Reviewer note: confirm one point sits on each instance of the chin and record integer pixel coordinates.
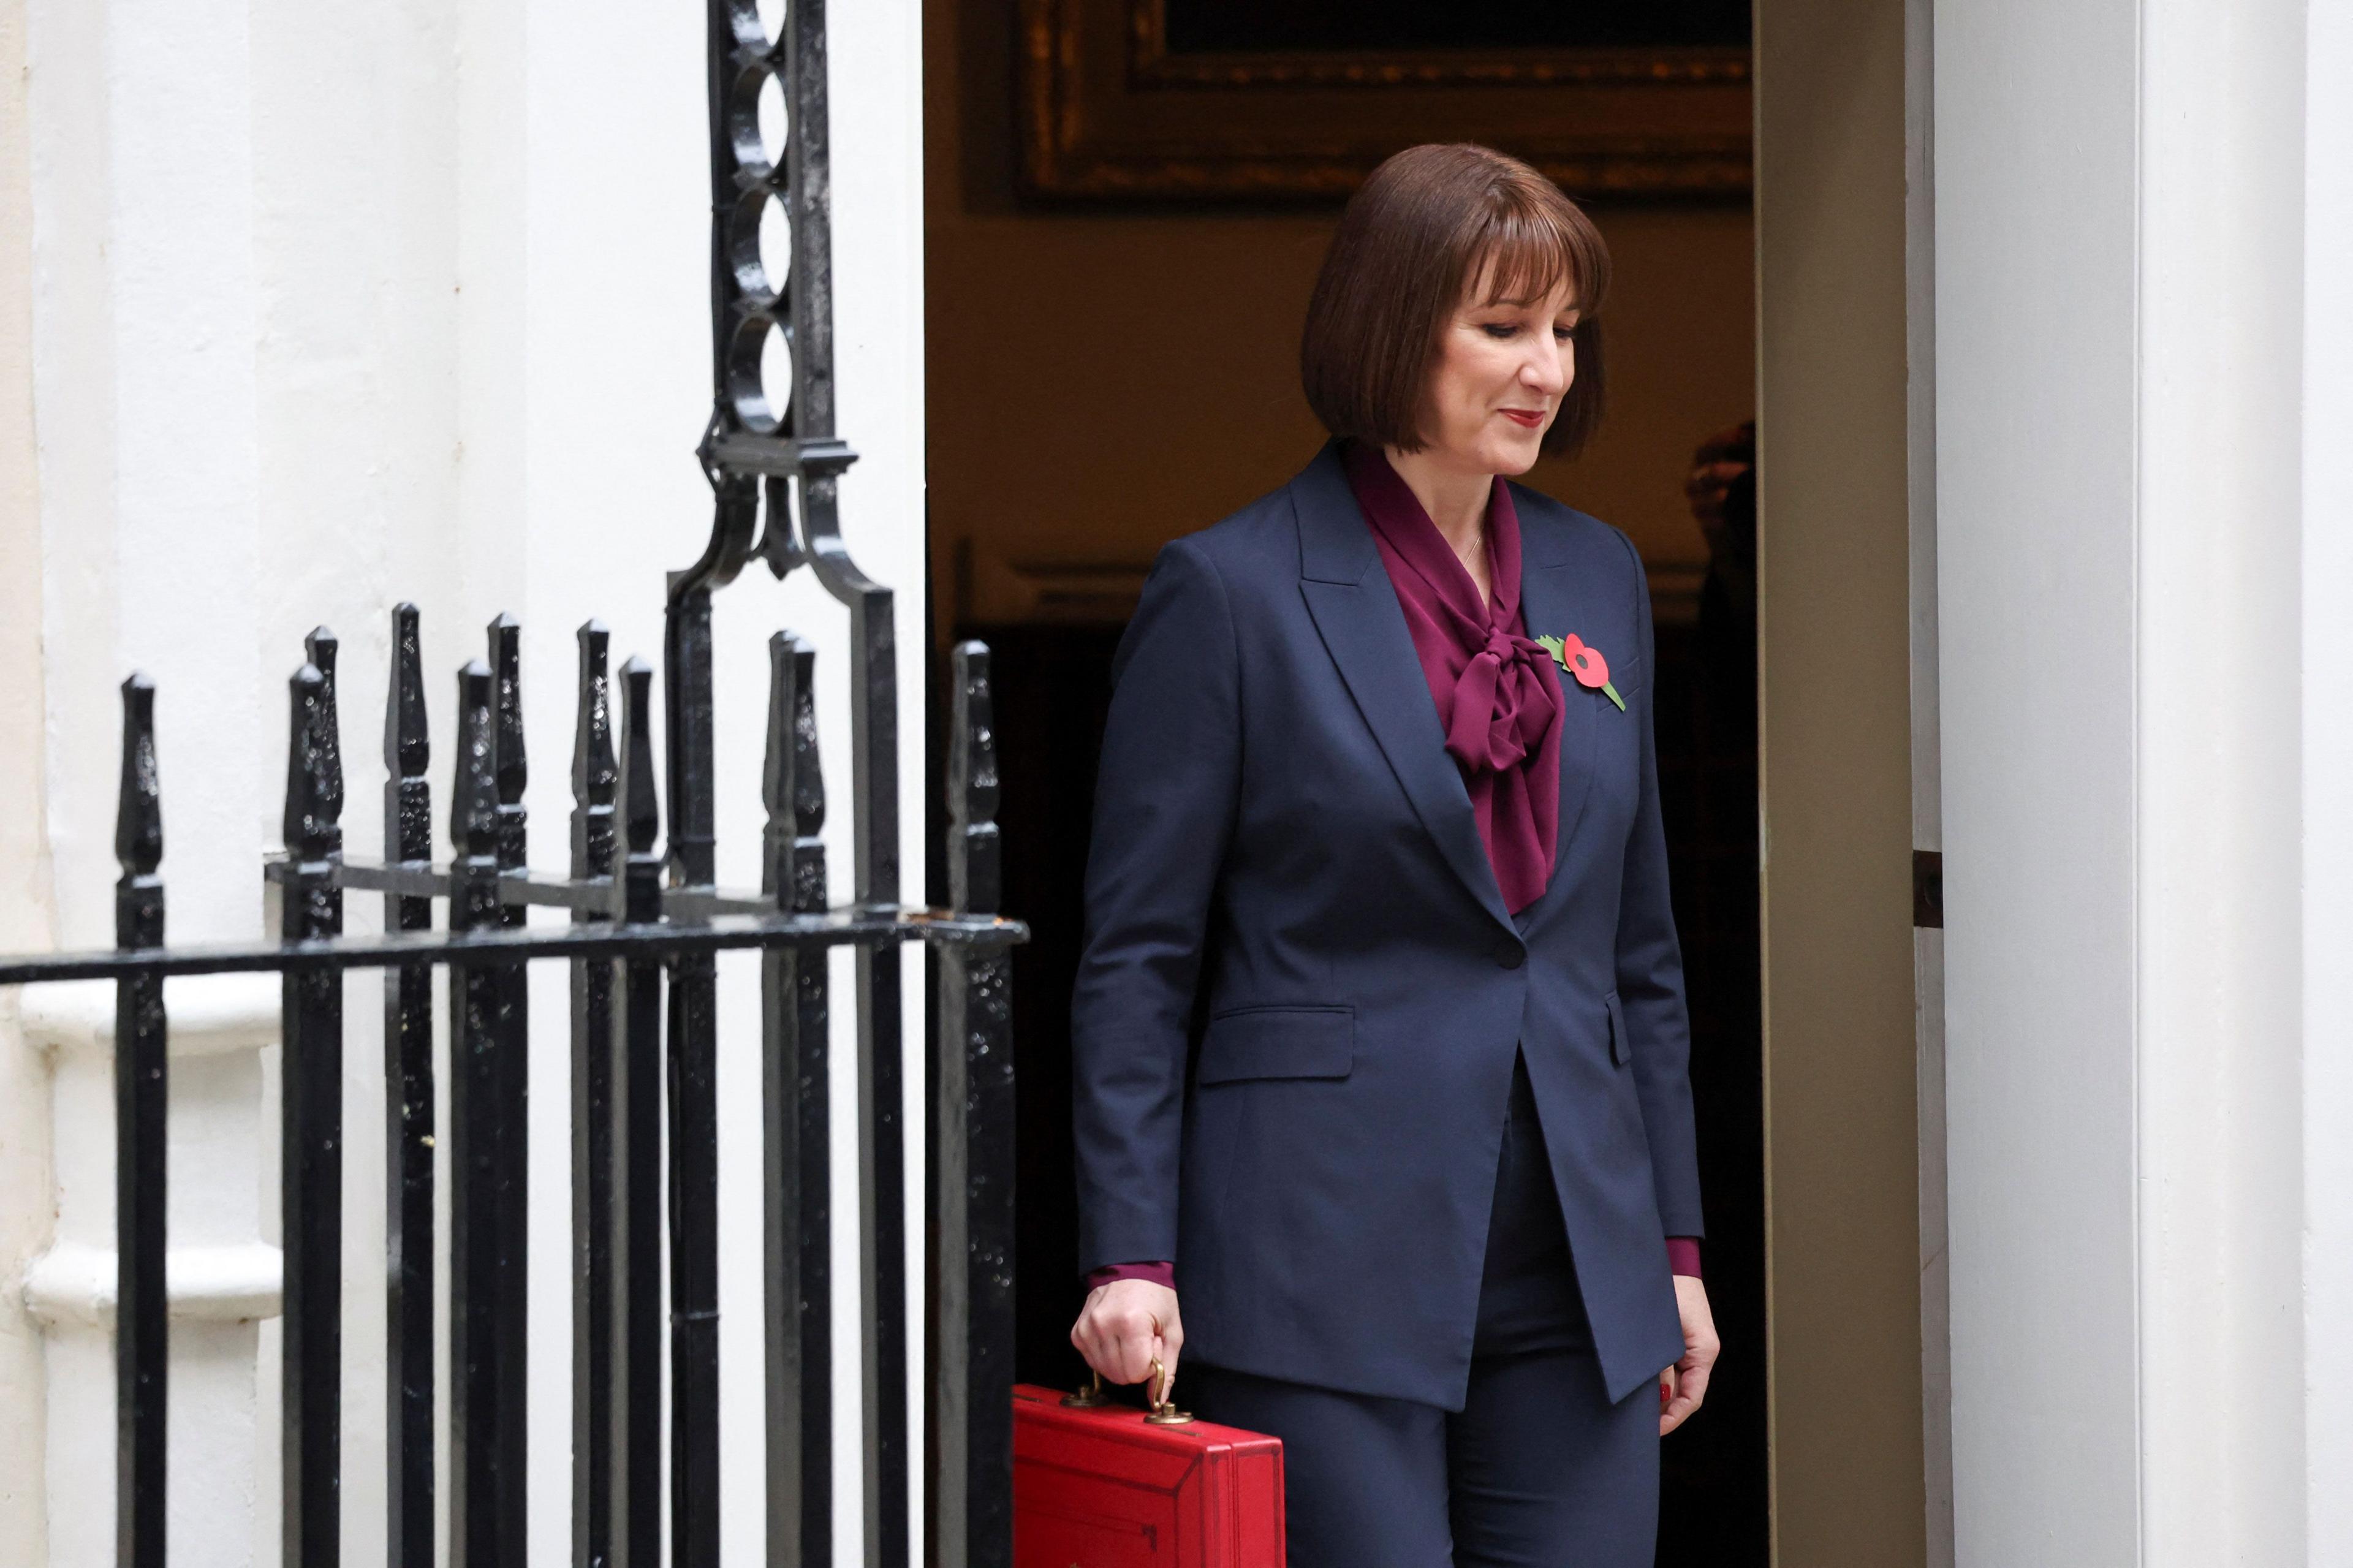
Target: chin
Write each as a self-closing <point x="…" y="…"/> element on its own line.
<point x="1514" y="458"/>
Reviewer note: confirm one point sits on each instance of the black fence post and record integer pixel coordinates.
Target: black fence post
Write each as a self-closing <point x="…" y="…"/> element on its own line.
<point x="693" y="1104"/>
<point x="486" y="1480"/>
<point x="408" y="1134"/>
<point x="638" y="1005"/>
<point x="969" y="1478"/>
<point x="140" y="1093"/>
<point x="511" y="1060"/>
<point x="598" y="1310"/>
<point x="311" y="1122"/>
<point x="798" y="1143"/>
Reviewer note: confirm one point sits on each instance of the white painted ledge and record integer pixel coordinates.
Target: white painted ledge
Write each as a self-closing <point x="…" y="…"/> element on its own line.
<point x="72" y="1285"/>
<point x="206" y="1015"/>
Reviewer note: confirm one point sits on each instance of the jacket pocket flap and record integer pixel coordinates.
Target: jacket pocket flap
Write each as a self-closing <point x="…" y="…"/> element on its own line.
<point x="1621" y="1049"/>
<point x="1279" y="1042"/>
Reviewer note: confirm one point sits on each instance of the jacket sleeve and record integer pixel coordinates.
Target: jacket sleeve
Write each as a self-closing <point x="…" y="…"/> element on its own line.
<point x="1650" y="974"/>
<point x="1164" y="807"/>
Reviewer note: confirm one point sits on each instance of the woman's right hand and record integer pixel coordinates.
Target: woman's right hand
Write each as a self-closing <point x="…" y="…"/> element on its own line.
<point x="1127" y="1325"/>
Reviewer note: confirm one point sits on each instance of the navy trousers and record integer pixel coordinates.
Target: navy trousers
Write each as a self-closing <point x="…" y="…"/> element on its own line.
<point x="1537" y="1470"/>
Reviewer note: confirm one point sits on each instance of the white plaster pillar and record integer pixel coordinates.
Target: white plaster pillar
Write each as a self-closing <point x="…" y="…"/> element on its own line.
<point x="2327" y="869"/>
<point x="2035" y="145"/>
<point x="145" y="314"/>
<point x="2219" y="809"/>
<point x="221" y="1276"/>
<point x="2139" y="856"/>
<point x="26" y="1210"/>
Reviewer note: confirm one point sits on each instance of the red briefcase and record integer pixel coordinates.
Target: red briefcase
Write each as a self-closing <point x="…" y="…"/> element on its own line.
<point x="1102" y="1485"/>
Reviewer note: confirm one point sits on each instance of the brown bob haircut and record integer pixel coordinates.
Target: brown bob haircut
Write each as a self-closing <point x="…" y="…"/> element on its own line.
<point x="1430" y="224"/>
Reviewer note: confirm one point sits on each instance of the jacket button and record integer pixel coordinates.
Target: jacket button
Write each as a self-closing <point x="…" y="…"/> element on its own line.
<point x="1510" y="954"/>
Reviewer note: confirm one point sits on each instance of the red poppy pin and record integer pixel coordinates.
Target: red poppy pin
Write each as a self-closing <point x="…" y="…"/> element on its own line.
<point x="1592" y="670"/>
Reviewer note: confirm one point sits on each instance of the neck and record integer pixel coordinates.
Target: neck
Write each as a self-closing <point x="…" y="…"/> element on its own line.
<point x="1455" y="500"/>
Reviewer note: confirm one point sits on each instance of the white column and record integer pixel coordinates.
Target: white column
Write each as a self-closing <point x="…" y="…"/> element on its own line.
<point x="2327" y="550"/>
<point x="26" y="1209"/>
<point x="145" y="315"/>
<point x="222" y="1278"/>
<point x="2036" y="150"/>
<point x="2139" y="859"/>
<point x="2220" y="276"/>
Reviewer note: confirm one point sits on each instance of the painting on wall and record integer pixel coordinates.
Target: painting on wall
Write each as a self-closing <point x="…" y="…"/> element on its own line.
<point x="1211" y="99"/>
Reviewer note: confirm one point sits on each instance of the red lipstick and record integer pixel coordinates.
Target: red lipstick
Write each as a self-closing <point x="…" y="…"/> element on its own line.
<point x="1526" y="419"/>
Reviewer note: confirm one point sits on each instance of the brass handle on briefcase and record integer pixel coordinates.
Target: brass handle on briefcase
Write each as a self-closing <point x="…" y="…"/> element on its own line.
<point x="1164" y="1411"/>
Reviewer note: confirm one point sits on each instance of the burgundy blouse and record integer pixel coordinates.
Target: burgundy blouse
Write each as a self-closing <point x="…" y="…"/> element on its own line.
<point x="1499" y="703"/>
<point x="1498" y="693"/>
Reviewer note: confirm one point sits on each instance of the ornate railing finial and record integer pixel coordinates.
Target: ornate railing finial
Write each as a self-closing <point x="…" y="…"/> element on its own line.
<point x="320" y="648"/>
<point x="139" y="806"/>
<point x="976" y="875"/>
<point x="595" y="770"/>
<point x="314" y="776"/>
<point x="639" y="804"/>
<point x="474" y="792"/>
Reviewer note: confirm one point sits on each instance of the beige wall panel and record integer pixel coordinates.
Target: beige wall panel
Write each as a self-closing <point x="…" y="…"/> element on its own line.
<point x="1835" y="774"/>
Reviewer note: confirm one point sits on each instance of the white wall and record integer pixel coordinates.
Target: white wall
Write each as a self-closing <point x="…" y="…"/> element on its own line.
<point x="25" y="1177"/>
<point x="2220" y="809"/>
<point x="337" y="306"/>
<point x="2125" y="503"/>
<point x="2327" y="549"/>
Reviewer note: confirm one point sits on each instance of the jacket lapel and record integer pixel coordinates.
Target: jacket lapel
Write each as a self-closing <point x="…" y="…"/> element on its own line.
<point x="1356" y="612"/>
<point x="1552" y="604"/>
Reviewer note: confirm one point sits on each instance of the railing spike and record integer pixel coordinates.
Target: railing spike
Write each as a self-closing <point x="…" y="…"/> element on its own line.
<point x="411" y="1128"/>
<point x="320" y="648"/>
<point x="313" y="788"/>
<point x="638" y="899"/>
<point x="506" y="672"/>
<point x="141" y="1171"/>
<point x="595" y="771"/>
<point x="474" y="792"/>
<point x="777" y="778"/>
<point x="311" y="1127"/>
<point x="809" y="891"/>
<point x="407" y="751"/>
<point x="976" y="877"/>
<point x="139" y="808"/>
<point x="641" y="805"/>
<point x="600" y="1239"/>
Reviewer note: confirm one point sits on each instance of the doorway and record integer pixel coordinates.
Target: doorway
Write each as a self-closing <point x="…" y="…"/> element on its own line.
<point x="1107" y="375"/>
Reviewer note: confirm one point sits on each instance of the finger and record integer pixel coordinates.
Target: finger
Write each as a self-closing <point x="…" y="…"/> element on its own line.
<point x="1135" y="1355"/>
<point x="1688" y="1390"/>
<point x="1692" y="1384"/>
<point x="1089" y="1344"/>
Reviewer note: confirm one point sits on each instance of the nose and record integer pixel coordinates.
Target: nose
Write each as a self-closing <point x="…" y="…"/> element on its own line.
<point x="1548" y="370"/>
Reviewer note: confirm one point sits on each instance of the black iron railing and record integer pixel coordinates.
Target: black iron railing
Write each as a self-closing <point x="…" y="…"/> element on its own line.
<point x="633" y="936"/>
<point x="647" y="925"/>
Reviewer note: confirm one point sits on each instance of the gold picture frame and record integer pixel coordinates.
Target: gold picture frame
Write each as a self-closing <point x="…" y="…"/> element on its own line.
<point x="1110" y="111"/>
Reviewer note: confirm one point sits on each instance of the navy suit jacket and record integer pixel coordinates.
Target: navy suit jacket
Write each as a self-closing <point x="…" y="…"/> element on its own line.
<point x="1300" y="994"/>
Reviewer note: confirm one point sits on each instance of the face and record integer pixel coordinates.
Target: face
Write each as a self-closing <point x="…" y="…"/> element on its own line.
<point x="1501" y="374"/>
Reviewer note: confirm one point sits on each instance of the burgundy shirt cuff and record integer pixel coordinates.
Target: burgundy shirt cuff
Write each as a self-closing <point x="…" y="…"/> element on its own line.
<point x="1683" y="1257"/>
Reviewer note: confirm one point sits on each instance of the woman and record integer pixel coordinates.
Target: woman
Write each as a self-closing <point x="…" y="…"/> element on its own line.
<point x="1379" y="1032"/>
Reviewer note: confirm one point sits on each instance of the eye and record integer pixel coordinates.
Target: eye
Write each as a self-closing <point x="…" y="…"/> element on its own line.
<point x="1562" y="334"/>
<point x="1500" y="331"/>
